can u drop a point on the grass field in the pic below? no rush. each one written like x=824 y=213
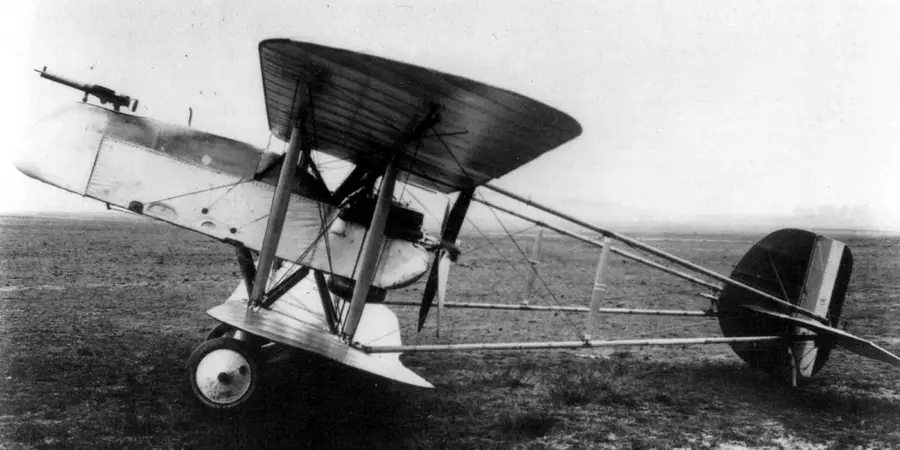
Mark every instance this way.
x=98 y=317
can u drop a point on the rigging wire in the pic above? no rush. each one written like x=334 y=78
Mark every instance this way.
x=230 y=188
x=525 y=256
x=323 y=215
x=424 y=207
x=428 y=211
x=395 y=330
x=501 y=238
x=565 y=315
x=306 y=251
x=490 y=241
x=253 y=221
x=200 y=191
x=415 y=158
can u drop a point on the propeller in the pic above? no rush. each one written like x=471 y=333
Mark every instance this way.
x=443 y=265
x=440 y=266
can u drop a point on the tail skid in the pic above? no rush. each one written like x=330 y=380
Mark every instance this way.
x=846 y=340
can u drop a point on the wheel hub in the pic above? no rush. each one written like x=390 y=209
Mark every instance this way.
x=223 y=376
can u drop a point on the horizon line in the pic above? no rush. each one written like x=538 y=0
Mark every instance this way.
x=682 y=226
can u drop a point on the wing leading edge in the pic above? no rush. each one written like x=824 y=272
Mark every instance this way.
x=359 y=107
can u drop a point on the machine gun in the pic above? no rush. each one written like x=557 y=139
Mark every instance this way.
x=103 y=93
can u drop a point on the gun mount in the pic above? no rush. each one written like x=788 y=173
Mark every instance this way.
x=103 y=93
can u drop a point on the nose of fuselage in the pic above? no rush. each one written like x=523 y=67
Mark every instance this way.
x=60 y=149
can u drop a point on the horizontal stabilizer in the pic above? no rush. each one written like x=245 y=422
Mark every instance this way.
x=846 y=340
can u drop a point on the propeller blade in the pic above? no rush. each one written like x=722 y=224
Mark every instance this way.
x=450 y=228
x=431 y=288
x=445 y=219
x=453 y=220
x=443 y=276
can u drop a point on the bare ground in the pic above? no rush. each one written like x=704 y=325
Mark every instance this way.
x=98 y=317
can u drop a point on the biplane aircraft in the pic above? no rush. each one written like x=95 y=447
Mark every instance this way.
x=318 y=264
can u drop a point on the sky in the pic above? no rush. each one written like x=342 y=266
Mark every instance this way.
x=726 y=111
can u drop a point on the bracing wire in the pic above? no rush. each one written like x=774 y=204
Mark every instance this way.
x=565 y=315
x=512 y=238
x=200 y=191
x=501 y=238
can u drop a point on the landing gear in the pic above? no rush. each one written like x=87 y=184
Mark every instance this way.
x=225 y=374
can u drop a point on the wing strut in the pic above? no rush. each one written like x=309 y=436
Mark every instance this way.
x=297 y=149
x=248 y=270
x=371 y=250
x=327 y=304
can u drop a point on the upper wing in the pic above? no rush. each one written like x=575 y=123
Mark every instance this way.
x=362 y=107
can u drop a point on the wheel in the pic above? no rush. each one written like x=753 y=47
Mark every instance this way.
x=226 y=330
x=221 y=330
x=224 y=374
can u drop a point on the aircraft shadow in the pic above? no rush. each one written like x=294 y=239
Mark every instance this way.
x=315 y=403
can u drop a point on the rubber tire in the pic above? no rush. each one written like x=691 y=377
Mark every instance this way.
x=220 y=330
x=249 y=353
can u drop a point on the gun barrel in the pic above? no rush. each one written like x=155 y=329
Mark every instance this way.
x=62 y=80
x=103 y=93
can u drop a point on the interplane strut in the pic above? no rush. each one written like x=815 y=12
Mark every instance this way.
x=278 y=212
x=371 y=249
